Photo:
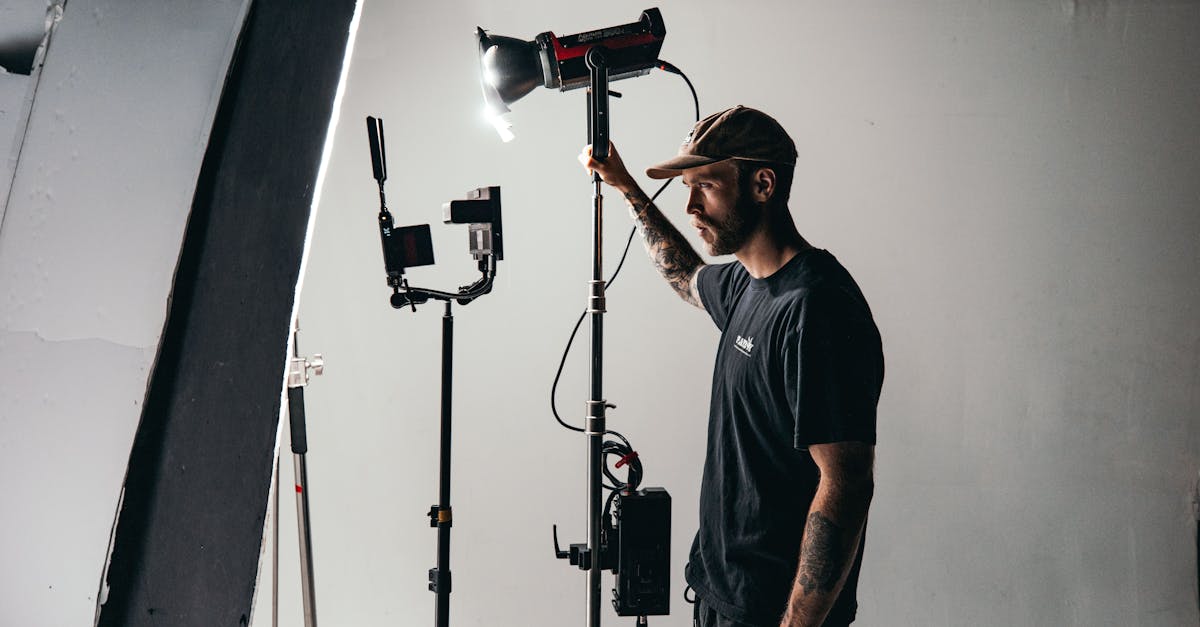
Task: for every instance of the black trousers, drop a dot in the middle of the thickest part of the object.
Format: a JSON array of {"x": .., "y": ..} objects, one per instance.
[{"x": 703, "y": 615}]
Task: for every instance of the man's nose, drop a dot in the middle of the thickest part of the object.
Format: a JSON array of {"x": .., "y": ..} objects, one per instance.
[{"x": 693, "y": 204}]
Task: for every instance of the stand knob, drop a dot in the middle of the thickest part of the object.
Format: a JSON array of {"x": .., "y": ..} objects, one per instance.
[{"x": 299, "y": 367}]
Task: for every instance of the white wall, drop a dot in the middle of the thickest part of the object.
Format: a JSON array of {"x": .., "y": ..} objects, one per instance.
[
  {"x": 88, "y": 249},
  {"x": 1013, "y": 184},
  {"x": 13, "y": 91},
  {"x": 23, "y": 27}
]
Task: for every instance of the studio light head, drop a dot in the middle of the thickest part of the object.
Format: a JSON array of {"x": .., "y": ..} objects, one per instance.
[{"x": 510, "y": 68}]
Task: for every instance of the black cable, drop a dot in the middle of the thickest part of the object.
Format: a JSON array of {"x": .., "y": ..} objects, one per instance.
[
  {"x": 627, "y": 457},
  {"x": 626, "y": 453},
  {"x": 629, "y": 240},
  {"x": 562, "y": 362},
  {"x": 667, "y": 67},
  {"x": 558, "y": 375}
]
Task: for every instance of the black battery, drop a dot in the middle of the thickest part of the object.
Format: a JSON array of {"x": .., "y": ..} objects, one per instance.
[{"x": 643, "y": 537}]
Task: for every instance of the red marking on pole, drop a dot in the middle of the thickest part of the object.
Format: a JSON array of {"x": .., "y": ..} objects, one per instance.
[{"x": 299, "y": 489}]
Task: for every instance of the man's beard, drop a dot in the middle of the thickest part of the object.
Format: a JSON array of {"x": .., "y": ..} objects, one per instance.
[{"x": 731, "y": 234}]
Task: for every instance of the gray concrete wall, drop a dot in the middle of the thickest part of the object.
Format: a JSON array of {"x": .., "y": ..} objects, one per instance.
[{"x": 88, "y": 247}]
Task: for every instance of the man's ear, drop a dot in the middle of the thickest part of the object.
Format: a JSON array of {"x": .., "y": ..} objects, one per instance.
[{"x": 762, "y": 185}]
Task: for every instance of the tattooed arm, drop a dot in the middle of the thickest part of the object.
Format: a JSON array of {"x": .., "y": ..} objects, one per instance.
[
  {"x": 833, "y": 531},
  {"x": 671, "y": 253},
  {"x": 673, "y": 256}
]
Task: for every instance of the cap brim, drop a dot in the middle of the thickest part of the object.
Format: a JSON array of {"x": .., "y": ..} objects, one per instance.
[{"x": 676, "y": 166}]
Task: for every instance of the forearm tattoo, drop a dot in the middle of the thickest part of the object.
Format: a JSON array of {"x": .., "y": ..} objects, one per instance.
[
  {"x": 671, "y": 253},
  {"x": 824, "y": 554}
]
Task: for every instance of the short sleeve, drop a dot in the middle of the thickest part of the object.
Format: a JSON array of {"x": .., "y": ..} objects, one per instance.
[
  {"x": 834, "y": 365},
  {"x": 719, "y": 286}
]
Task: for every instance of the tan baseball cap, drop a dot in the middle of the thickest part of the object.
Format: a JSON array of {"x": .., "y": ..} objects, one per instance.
[{"x": 737, "y": 133}]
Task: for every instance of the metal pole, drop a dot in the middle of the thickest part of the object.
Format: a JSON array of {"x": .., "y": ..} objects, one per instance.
[
  {"x": 297, "y": 379},
  {"x": 595, "y": 424},
  {"x": 299, "y": 448},
  {"x": 441, "y": 515},
  {"x": 275, "y": 552}
]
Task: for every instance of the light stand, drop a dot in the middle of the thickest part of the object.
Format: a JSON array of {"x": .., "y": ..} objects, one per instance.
[
  {"x": 298, "y": 376},
  {"x": 297, "y": 379},
  {"x": 410, "y": 246},
  {"x": 441, "y": 514},
  {"x": 512, "y": 68}
]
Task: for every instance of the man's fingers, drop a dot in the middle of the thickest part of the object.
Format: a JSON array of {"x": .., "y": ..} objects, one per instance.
[
  {"x": 607, "y": 169},
  {"x": 585, "y": 158}
]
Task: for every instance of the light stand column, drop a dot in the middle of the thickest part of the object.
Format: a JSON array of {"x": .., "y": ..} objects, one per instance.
[
  {"x": 298, "y": 378},
  {"x": 302, "y": 526},
  {"x": 596, "y": 405},
  {"x": 440, "y": 515}
]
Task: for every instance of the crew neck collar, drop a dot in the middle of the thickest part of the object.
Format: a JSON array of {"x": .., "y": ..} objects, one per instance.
[{"x": 775, "y": 277}]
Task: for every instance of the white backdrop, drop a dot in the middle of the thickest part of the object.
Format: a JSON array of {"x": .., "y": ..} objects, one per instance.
[{"x": 1012, "y": 184}]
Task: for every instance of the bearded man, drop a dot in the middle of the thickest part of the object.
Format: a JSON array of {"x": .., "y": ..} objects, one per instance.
[{"x": 787, "y": 477}]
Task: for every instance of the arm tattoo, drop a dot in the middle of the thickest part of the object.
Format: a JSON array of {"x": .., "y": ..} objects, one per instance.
[
  {"x": 673, "y": 256},
  {"x": 823, "y": 554}
]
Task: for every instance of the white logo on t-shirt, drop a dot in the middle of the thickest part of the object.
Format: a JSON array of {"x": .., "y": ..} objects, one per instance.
[{"x": 745, "y": 345}]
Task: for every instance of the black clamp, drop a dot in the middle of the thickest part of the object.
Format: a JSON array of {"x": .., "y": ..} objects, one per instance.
[
  {"x": 596, "y": 300},
  {"x": 577, "y": 554},
  {"x": 440, "y": 517},
  {"x": 439, "y": 581},
  {"x": 594, "y": 423}
]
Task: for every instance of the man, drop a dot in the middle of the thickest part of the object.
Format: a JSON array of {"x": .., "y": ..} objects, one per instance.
[{"x": 788, "y": 471}]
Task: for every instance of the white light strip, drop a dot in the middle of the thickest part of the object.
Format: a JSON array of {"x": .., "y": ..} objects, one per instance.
[
  {"x": 312, "y": 212},
  {"x": 325, "y": 152}
]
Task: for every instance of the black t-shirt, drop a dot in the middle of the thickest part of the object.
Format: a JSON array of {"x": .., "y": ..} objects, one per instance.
[{"x": 799, "y": 363}]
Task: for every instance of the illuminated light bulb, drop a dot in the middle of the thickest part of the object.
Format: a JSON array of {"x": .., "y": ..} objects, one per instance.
[
  {"x": 491, "y": 77},
  {"x": 500, "y": 122}
]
